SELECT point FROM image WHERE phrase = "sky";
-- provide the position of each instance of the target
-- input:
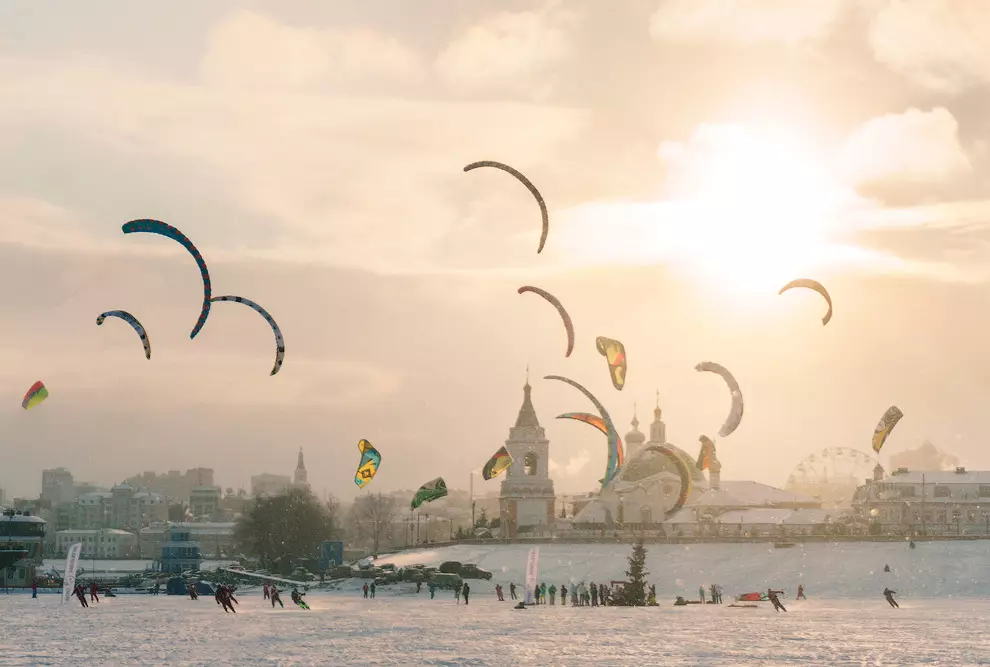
(695, 155)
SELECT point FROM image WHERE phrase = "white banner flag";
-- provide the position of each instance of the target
(532, 567)
(69, 576)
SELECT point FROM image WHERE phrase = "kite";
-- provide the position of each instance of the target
(815, 285)
(159, 227)
(499, 461)
(130, 319)
(615, 353)
(885, 426)
(279, 342)
(736, 412)
(429, 492)
(532, 188)
(705, 455)
(682, 471)
(599, 423)
(614, 463)
(368, 468)
(35, 395)
(568, 325)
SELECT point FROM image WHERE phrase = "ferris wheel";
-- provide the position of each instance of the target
(831, 475)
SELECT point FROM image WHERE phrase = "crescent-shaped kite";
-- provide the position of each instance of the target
(279, 342)
(683, 473)
(736, 411)
(529, 185)
(133, 321)
(614, 443)
(815, 285)
(159, 227)
(885, 426)
(594, 420)
(555, 302)
(615, 352)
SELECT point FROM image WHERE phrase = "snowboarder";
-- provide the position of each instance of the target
(889, 594)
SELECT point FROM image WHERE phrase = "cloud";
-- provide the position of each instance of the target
(252, 49)
(917, 147)
(942, 45)
(788, 22)
(507, 48)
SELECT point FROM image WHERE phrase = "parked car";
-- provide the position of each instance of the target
(472, 571)
(450, 567)
(446, 580)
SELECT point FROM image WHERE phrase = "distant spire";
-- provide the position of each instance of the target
(527, 413)
(527, 375)
(657, 413)
(299, 464)
(635, 419)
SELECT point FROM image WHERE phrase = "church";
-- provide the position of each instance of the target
(643, 492)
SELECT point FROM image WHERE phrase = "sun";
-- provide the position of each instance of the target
(753, 211)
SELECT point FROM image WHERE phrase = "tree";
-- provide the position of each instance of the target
(482, 519)
(634, 590)
(277, 529)
(371, 520)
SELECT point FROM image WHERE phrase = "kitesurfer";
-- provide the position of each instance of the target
(93, 590)
(512, 591)
(297, 598)
(276, 597)
(800, 593)
(889, 594)
(772, 596)
(80, 594)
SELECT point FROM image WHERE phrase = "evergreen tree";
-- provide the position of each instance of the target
(634, 591)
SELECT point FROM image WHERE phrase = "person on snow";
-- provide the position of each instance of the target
(563, 595)
(297, 598)
(553, 593)
(465, 591)
(191, 589)
(80, 594)
(594, 594)
(457, 592)
(543, 593)
(365, 591)
(772, 596)
(512, 591)
(574, 596)
(276, 597)
(701, 593)
(602, 595)
(886, 568)
(267, 594)
(419, 586)
(889, 594)
(498, 592)
(93, 592)
(34, 589)
(374, 587)
(800, 593)
(433, 590)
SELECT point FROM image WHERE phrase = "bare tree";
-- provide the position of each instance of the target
(371, 518)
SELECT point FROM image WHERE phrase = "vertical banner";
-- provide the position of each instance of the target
(69, 576)
(532, 567)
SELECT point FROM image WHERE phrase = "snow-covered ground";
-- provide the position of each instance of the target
(345, 629)
(942, 619)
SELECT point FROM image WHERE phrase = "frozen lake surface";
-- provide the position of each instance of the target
(345, 629)
(944, 592)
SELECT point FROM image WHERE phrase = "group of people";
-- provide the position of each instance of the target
(714, 592)
(592, 595)
(80, 592)
(225, 597)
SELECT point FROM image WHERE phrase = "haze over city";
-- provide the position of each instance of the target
(692, 160)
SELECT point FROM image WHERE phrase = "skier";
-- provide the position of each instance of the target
(889, 594)
(772, 595)
(512, 591)
(276, 597)
(498, 592)
(297, 598)
(80, 594)
(800, 593)
(93, 590)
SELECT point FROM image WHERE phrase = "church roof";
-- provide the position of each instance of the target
(527, 413)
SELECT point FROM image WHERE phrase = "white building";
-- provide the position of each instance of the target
(648, 486)
(122, 507)
(204, 501)
(526, 498)
(926, 502)
(103, 543)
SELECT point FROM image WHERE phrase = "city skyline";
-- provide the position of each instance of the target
(694, 157)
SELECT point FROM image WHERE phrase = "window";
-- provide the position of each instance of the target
(907, 492)
(530, 464)
(942, 491)
(984, 490)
